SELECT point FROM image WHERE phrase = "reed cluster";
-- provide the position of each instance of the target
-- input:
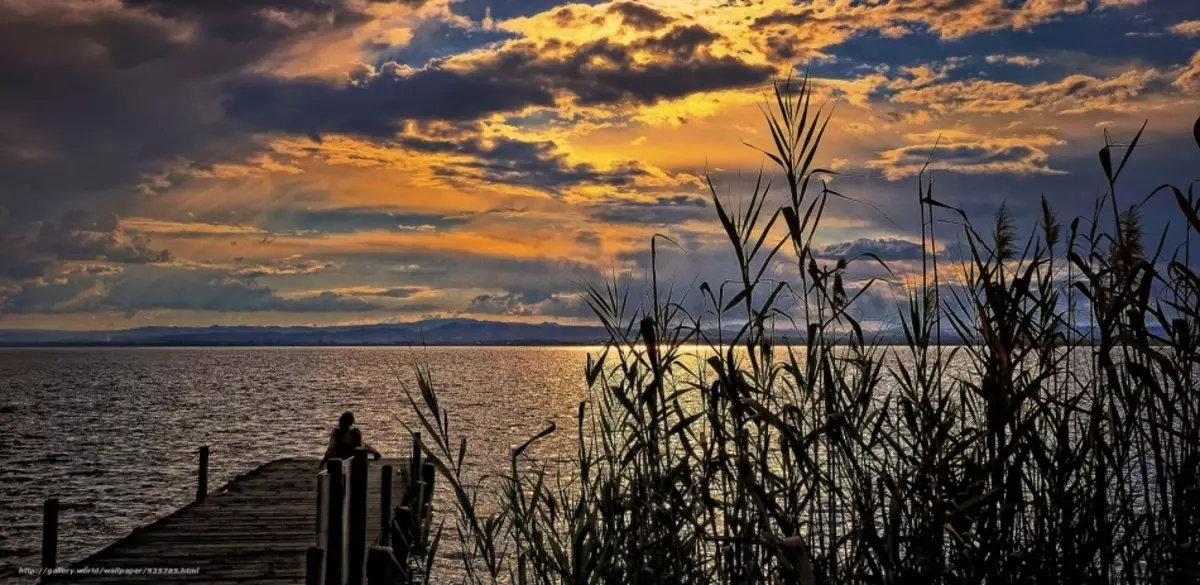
(1060, 442)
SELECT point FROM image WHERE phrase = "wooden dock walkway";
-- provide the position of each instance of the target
(256, 529)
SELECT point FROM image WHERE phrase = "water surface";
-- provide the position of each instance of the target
(113, 433)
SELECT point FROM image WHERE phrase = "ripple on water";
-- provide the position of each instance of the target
(113, 433)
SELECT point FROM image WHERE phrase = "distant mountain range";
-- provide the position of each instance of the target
(428, 332)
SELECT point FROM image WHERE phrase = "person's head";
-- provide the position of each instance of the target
(346, 421)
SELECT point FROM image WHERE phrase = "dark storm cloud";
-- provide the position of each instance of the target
(529, 304)
(80, 236)
(682, 42)
(662, 211)
(436, 38)
(244, 20)
(15, 261)
(459, 270)
(885, 248)
(98, 99)
(505, 9)
(377, 107)
(353, 219)
(518, 75)
(398, 293)
(640, 16)
(684, 67)
(77, 235)
(148, 288)
(529, 163)
(510, 161)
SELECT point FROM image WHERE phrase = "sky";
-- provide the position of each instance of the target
(320, 162)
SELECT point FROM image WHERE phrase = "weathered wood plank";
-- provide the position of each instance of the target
(257, 529)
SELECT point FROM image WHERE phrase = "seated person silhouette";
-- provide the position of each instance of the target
(345, 439)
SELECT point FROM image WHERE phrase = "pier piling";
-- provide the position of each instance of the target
(356, 537)
(202, 476)
(314, 563)
(335, 540)
(385, 505)
(50, 533)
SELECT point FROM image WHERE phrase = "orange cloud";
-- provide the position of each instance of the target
(1074, 94)
(1187, 28)
(1188, 78)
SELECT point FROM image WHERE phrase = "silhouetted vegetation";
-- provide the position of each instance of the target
(1064, 445)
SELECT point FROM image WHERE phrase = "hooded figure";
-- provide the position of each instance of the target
(345, 439)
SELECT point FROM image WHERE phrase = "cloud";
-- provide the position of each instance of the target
(286, 267)
(1073, 94)
(921, 75)
(962, 152)
(1188, 78)
(81, 236)
(519, 74)
(197, 229)
(381, 170)
(376, 104)
(353, 219)
(885, 248)
(530, 304)
(254, 20)
(152, 73)
(948, 19)
(76, 236)
(1187, 28)
(640, 16)
(1018, 60)
(466, 157)
(146, 288)
(664, 210)
(510, 161)
(400, 293)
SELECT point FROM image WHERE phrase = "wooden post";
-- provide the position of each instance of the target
(356, 539)
(322, 506)
(428, 475)
(382, 567)
(385, 505)
(335, 537)
(422, 511)
(402, 538)
(50, 533)
(414, 467)
(313, 562)
(413, 491)
(202, 479)
(416, 505)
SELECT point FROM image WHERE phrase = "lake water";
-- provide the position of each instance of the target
(113, 433)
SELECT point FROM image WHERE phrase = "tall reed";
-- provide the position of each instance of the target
(1060, 442)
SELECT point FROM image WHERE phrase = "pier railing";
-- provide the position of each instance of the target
(50, 509)
(341, 554)
(347, 547)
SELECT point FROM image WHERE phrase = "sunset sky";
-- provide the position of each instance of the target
(197, 162)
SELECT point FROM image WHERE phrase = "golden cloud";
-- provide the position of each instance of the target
(1074, 94)
(1187, 28)
(1188, 78)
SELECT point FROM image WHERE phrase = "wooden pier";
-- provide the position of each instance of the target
(284, 522)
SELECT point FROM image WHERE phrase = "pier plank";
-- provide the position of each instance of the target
(254, 530)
